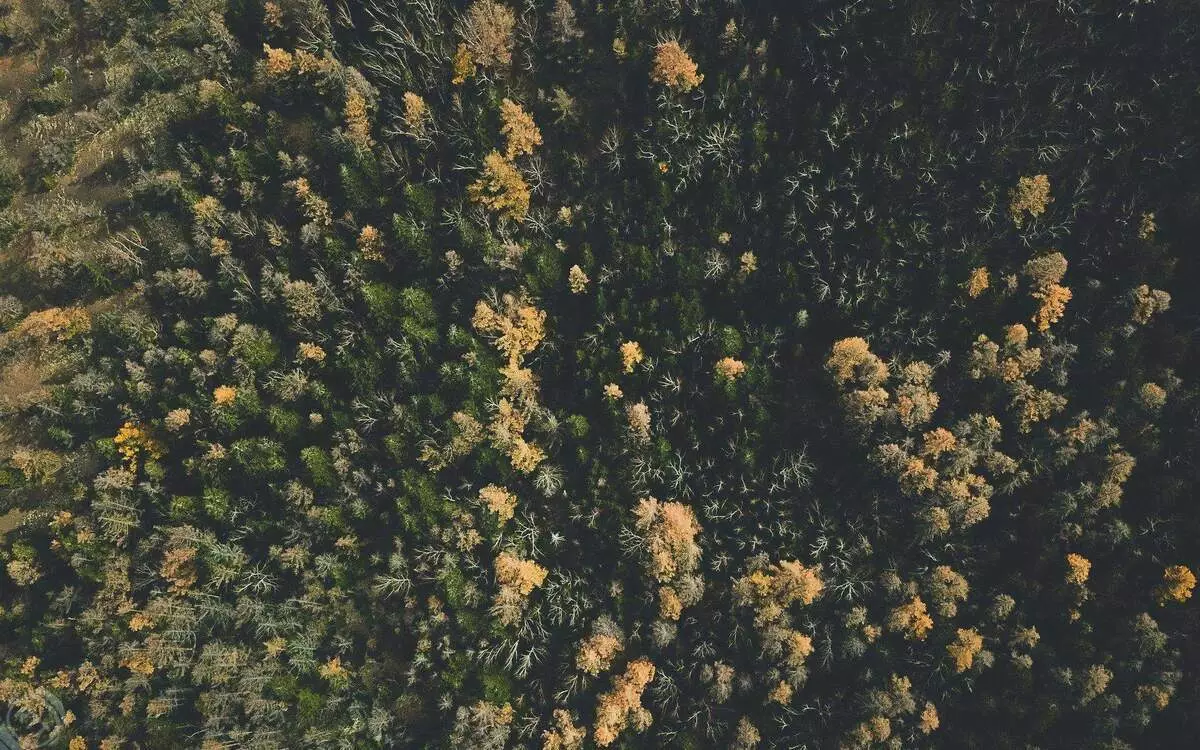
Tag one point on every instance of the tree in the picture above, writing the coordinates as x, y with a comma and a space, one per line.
1177, 584
520, 132
501, 188
622, 706
673, 68
1031, 196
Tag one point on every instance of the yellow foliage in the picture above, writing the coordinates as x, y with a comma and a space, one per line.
746, 736
311, 352
771, 590
520, 131
1016, 336
947, 588
278, 62
468, 434
1095, 682
638, 417
179, 567
1152, 395
670, 531
501, 188
38, 466
1033, 405
522, 576
1030, 196
851, 359
1045, 270
308, 63
519, 384
518, 326
272, 14
333, 670
316, 209
224, 395
613, 391
669, 605
869, 733
132, 440
672, 67
525, 456
370, 244
929, 719
781, 694
463, 66
358, 123
799, 647
978, 282
1147, 227
577, 280
1078, 569
52, 324
517, 578
912, 619
1177, 585
963, 649
487, 32
22, 572
1054, 299
631, 355
596, 653
500, 501
917, 478
416, 113
138, 663
565, 735
622, 706
507, 425
1154, 695
1147, 302
937, 442
729, 368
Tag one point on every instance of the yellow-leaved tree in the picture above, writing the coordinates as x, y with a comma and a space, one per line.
622, 706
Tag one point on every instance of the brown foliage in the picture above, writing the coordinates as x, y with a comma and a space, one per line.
1149, 302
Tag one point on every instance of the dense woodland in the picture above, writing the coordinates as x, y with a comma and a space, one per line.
566, 374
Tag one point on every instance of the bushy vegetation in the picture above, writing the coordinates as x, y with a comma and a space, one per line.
562, 374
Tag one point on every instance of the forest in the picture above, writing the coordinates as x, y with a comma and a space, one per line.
574, 374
